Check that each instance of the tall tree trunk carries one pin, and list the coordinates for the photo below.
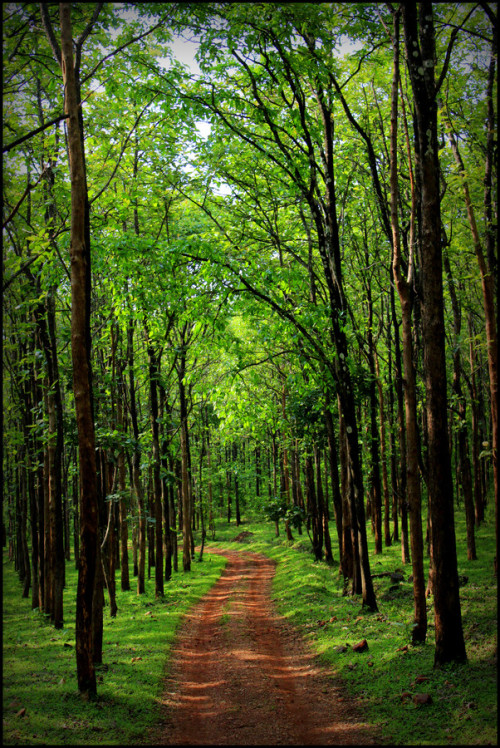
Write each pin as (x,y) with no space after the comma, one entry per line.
(487,272)
(383,460)
(420,53)
(334,475)
(236,484)
(55,478)
(490,208)
(329,250)
(350,560)
(166,486)
(398,475)
(375,485)
(136,466)
(410,455)
(154,357)
(476,437)
(312,508)
(186,493)
(464,471)
(322,508)
(122,512)
(89,540)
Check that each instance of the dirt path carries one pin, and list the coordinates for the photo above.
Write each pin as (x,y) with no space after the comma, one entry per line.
(242,676)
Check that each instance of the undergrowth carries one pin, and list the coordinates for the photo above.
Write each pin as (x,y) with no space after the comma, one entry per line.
(41,704)
(386,677)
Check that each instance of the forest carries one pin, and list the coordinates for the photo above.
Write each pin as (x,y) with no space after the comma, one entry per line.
(251,294)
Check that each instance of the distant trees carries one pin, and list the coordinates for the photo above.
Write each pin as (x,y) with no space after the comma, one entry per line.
(239,291)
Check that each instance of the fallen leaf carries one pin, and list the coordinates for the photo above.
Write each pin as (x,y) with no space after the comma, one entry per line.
(421,679)
(422,698)
(361,646)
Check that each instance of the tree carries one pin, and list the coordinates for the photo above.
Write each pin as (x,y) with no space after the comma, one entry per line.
(89,535)
(404,287)
(420,55)
(306,158)
(243,287)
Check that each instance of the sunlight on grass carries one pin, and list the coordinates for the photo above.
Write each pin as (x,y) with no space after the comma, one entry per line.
(39,670)
(39,662)
(464,698)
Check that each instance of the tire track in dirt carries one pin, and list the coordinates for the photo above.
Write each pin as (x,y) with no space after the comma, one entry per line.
(241,675)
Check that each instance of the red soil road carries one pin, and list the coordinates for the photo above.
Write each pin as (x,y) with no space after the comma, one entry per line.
(240,675)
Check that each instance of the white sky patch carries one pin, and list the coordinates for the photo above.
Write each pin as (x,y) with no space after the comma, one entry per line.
(348,46)
(204,128)
(185,50)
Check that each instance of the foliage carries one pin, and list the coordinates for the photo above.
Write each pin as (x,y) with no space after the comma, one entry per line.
(212,252)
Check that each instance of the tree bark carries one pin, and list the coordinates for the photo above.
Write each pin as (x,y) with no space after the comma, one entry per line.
(154,357)
(334,475)
(464,470)
(420,53)
(487,272)
(136,466)
(122,517)
(186,493)
(375,484)
(89,540)
(410,455)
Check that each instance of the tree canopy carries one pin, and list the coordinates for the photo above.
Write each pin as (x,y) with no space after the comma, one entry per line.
(288,309)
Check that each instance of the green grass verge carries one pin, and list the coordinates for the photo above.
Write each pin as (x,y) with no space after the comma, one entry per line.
(39,662)
(309,594)
(39,666)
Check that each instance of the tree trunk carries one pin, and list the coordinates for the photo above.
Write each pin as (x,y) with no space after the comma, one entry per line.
(464,471)
(420,52)
(334,475)
(383,462)
(236,484)
(122,517)
(410,455)
(166,486)
(154,357)
(329,250)
(186,493)
(488,287)
(89,540)
(136,466)
(312,509)
(476,437)
(375,484)
(322,508)
(350,564)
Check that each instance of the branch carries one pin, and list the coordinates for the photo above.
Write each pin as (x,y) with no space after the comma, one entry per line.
(119,49)
(47,25)
(29,187)
(88,27)
(490,13)
(453,36)
(83,36)
(123,150)
(264,360)
(22,269)
(32,133)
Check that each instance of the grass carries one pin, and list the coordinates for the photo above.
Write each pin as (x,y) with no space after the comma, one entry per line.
(39,668)
(39,662)
(310,595)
